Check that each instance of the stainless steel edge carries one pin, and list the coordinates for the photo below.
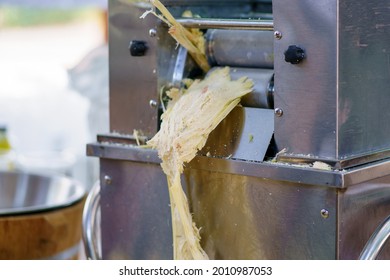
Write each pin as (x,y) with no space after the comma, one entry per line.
(270,170)
(242,24)
(123,152)
(89,222)
(337,164)
(267,170)
(28,193)
(376,241)
(366,172)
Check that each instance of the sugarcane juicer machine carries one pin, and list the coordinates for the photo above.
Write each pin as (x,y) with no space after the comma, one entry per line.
(301,170)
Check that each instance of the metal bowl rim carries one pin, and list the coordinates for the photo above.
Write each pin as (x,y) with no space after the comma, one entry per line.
(77,196)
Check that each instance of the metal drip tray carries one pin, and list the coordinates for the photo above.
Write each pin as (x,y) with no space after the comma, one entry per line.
(22,193)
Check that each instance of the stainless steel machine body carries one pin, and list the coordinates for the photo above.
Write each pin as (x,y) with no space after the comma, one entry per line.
(322,80)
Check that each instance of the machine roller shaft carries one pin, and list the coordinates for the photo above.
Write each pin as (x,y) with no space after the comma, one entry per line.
(262,94)
(240,48)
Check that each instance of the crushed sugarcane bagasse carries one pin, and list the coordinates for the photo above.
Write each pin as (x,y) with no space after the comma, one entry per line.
(192,39)
(189,119)
(185,125)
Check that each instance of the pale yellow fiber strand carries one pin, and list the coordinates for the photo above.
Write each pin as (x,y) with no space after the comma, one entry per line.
(185,126)
(192,39)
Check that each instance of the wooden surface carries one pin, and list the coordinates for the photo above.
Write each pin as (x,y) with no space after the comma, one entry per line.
(41,235)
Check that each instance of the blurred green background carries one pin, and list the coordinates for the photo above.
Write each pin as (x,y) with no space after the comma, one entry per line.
(23,16)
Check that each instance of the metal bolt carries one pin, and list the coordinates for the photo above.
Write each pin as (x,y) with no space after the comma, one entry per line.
(278,112)
(153,103)
(324,213)
(107,179)
(278,35)
(152,32)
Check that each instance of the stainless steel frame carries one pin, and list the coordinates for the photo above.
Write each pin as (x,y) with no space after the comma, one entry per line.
(335,101)
(377,241)
(260,200)
(274,211)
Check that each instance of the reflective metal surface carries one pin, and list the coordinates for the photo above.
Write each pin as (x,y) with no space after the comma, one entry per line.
(362,208)
(364,81)
(241,217)
(253,218)
(268,170)
(267,202)
(262,94)
(135,212)
(91,224)
(240,24)
(22,193)
(334,101)
(377,241)
(133,79)
(238,138)
(307,92)
(240,48)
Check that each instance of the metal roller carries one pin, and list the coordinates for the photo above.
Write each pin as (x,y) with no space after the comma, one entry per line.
(262,94)
(240,48)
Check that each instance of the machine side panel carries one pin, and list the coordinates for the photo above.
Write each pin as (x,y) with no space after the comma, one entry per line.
(133,79)
(362,208)
(245,217)
(364,77)
(135,212)
(306,92)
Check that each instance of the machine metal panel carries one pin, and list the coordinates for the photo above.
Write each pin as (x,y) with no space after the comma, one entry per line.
(242,215)
(362,208)
(306,92)
(253,218)
(135,212)
(327,108)
(335,101)
(237,137)
(133,79)
(364,77)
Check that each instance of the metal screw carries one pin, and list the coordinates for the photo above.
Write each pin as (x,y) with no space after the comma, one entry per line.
(278,112)
(153,103)
(152,32)
(107,179)
(324,213)
(278,35)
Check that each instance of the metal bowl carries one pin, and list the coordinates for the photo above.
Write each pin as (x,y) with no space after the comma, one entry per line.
(22,193)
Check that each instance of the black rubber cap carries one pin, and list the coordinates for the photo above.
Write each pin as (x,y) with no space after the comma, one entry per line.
(294,54)
(137,48)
